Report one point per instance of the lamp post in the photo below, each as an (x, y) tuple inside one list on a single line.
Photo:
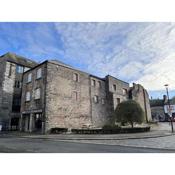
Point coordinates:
[(171, 118)]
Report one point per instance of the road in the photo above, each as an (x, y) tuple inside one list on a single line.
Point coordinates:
[(30, 145)]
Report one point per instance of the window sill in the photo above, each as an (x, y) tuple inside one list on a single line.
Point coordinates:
[(38, 78), (28, 82)]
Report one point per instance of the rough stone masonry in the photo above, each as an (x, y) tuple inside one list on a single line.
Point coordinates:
[(65, 97), (37, 97)]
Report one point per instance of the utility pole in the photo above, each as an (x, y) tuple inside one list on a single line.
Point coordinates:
[(171, 118)]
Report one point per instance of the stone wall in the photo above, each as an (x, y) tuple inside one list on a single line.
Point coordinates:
[(99, 109), (2, 71), (68, 96), (62, 108), (33, 105), (140, 95), (7, 89), (117, 93)]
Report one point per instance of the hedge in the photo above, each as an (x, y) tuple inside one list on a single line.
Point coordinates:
[(58, 130), (111, 131)]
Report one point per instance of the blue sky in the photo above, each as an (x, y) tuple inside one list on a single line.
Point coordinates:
[(134, 52)]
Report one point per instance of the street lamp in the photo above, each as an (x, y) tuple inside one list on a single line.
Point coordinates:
[(171, 118)]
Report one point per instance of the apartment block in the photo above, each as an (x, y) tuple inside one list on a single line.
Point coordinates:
[(12, 68)]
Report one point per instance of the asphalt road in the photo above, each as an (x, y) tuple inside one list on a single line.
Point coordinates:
[(30, 145)]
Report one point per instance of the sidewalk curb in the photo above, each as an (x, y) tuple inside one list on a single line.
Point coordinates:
[(128, 138), (131, 146)]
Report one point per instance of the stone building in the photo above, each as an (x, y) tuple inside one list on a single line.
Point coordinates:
[(12, 67), (57, 95), (38, 97), (138, 93), (158, 109)]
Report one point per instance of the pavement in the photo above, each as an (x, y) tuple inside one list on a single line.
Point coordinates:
[(160, 130), (28, 145), (159, 139)]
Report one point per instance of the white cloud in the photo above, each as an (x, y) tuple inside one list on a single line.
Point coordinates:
[(157, 74), (142, 52)]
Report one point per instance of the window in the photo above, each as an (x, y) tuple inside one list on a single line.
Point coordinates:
[(27, 96), (114, 87), (118, 101), (75, 77), (16, 101), (75, 95), (124, 91), (26, 69), (96, 99), (29, 78), (16, 104), (99, 84), (103, 101), (19, 69), (38, 73), (37, 93), (18, 84), (10, 70), (93, 82)]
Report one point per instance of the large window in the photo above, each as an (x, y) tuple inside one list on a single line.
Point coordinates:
[(19, 69), (39, 73), (29, 77), (16, 104), (26, 69), (28, 96), (18, 84), (37, 93)]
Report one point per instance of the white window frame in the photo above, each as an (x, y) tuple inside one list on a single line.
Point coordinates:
[(19, 69), (28, 96), (37, 93), (29, 77), (38, 73)]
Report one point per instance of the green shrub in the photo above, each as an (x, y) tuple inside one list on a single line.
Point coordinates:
[(129, 112), (108, 126)]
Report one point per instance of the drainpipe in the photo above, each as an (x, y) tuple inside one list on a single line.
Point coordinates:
[(44, 109)]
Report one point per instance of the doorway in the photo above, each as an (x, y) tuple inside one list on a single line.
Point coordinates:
[(38, 122)]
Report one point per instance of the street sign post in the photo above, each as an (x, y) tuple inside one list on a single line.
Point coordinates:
[(169, 111)]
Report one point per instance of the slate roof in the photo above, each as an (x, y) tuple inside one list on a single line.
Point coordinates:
[(11, 57)]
